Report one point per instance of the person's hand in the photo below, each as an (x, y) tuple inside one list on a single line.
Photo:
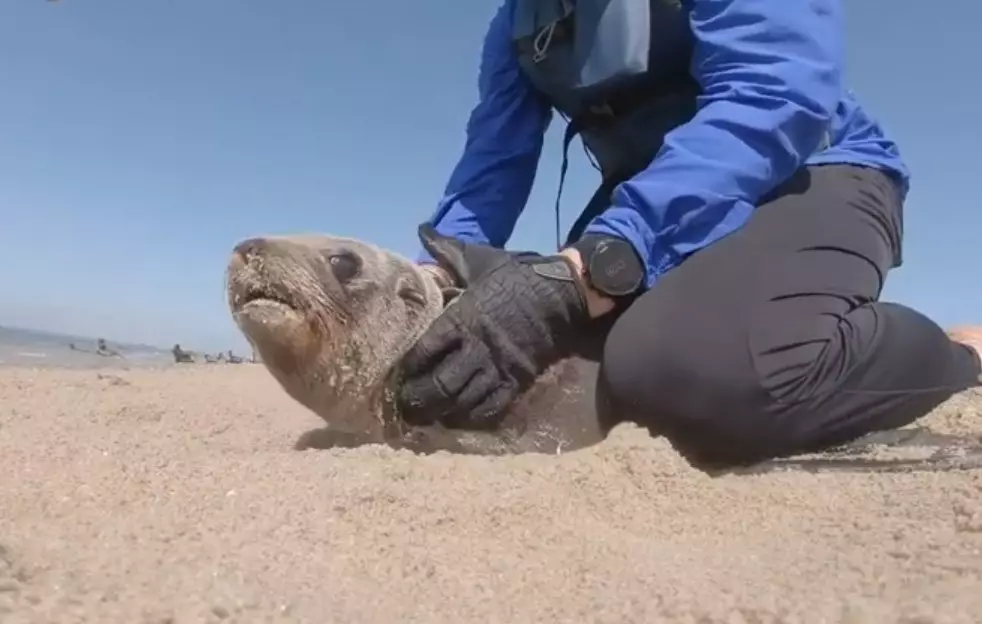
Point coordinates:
[(519, 314)]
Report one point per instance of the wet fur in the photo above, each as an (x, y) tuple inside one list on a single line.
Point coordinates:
[(332, 343)]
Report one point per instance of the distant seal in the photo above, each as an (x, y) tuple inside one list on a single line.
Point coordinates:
[(330, 316)]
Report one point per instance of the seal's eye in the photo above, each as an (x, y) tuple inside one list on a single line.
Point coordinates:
[(345, 266)]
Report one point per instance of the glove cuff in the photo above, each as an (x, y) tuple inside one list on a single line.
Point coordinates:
[(564, 275)]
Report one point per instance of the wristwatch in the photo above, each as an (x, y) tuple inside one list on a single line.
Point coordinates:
[(611, 265)]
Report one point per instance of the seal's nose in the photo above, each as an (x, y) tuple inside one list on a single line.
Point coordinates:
[(252, 247)]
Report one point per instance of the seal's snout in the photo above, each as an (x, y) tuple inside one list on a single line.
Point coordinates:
[(267, 306), (251, 248), (257, 273)]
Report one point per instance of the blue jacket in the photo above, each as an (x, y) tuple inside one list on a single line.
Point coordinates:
[(763, 105)]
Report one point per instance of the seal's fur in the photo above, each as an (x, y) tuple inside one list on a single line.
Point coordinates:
[(330, 316)]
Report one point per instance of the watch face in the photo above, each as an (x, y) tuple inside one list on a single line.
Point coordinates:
[(615, 268)]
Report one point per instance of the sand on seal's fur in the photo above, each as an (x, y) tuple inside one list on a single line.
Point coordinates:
[(175, 496)]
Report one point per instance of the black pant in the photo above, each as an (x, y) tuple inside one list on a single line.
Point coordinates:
[(772, 341)]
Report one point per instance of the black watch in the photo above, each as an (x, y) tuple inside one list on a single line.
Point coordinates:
[(611, 265)]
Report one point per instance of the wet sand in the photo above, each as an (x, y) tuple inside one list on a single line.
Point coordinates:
[(176, 496)]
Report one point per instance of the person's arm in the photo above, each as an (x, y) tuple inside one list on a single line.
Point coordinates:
[(771, 74), (490, 185)]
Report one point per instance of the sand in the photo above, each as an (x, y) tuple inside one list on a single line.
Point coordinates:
[(175, 496)]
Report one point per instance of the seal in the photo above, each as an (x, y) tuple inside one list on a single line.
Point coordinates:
[(330, 317)]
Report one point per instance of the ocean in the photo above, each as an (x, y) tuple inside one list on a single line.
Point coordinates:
[(28, 347)]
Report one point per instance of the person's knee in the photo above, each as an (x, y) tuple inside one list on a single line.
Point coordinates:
[(683, 383), (665, 377)]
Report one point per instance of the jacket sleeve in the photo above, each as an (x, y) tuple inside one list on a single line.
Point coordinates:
[(491, 182), (771, 73)]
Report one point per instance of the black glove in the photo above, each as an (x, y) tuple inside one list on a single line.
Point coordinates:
[(520, 313), (465, 263)]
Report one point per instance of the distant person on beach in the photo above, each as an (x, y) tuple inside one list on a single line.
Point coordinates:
[(731, 262), (181, 356), (102, 348)]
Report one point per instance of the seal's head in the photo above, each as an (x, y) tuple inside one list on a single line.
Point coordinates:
[(329, 316)]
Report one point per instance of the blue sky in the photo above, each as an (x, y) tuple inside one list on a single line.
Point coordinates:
[(140, 140)]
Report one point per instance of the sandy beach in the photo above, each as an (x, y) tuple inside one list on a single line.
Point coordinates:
[(175, 495)]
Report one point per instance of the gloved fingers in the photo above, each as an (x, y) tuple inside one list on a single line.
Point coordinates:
[(495, 405), (482, 383), (419, 411), (434, 391), (481, 404), (414, 410), (441, 340), (424, 399), (457, 372)]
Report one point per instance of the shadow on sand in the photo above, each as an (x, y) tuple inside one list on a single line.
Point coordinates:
[(915, 449), (324, 439)]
